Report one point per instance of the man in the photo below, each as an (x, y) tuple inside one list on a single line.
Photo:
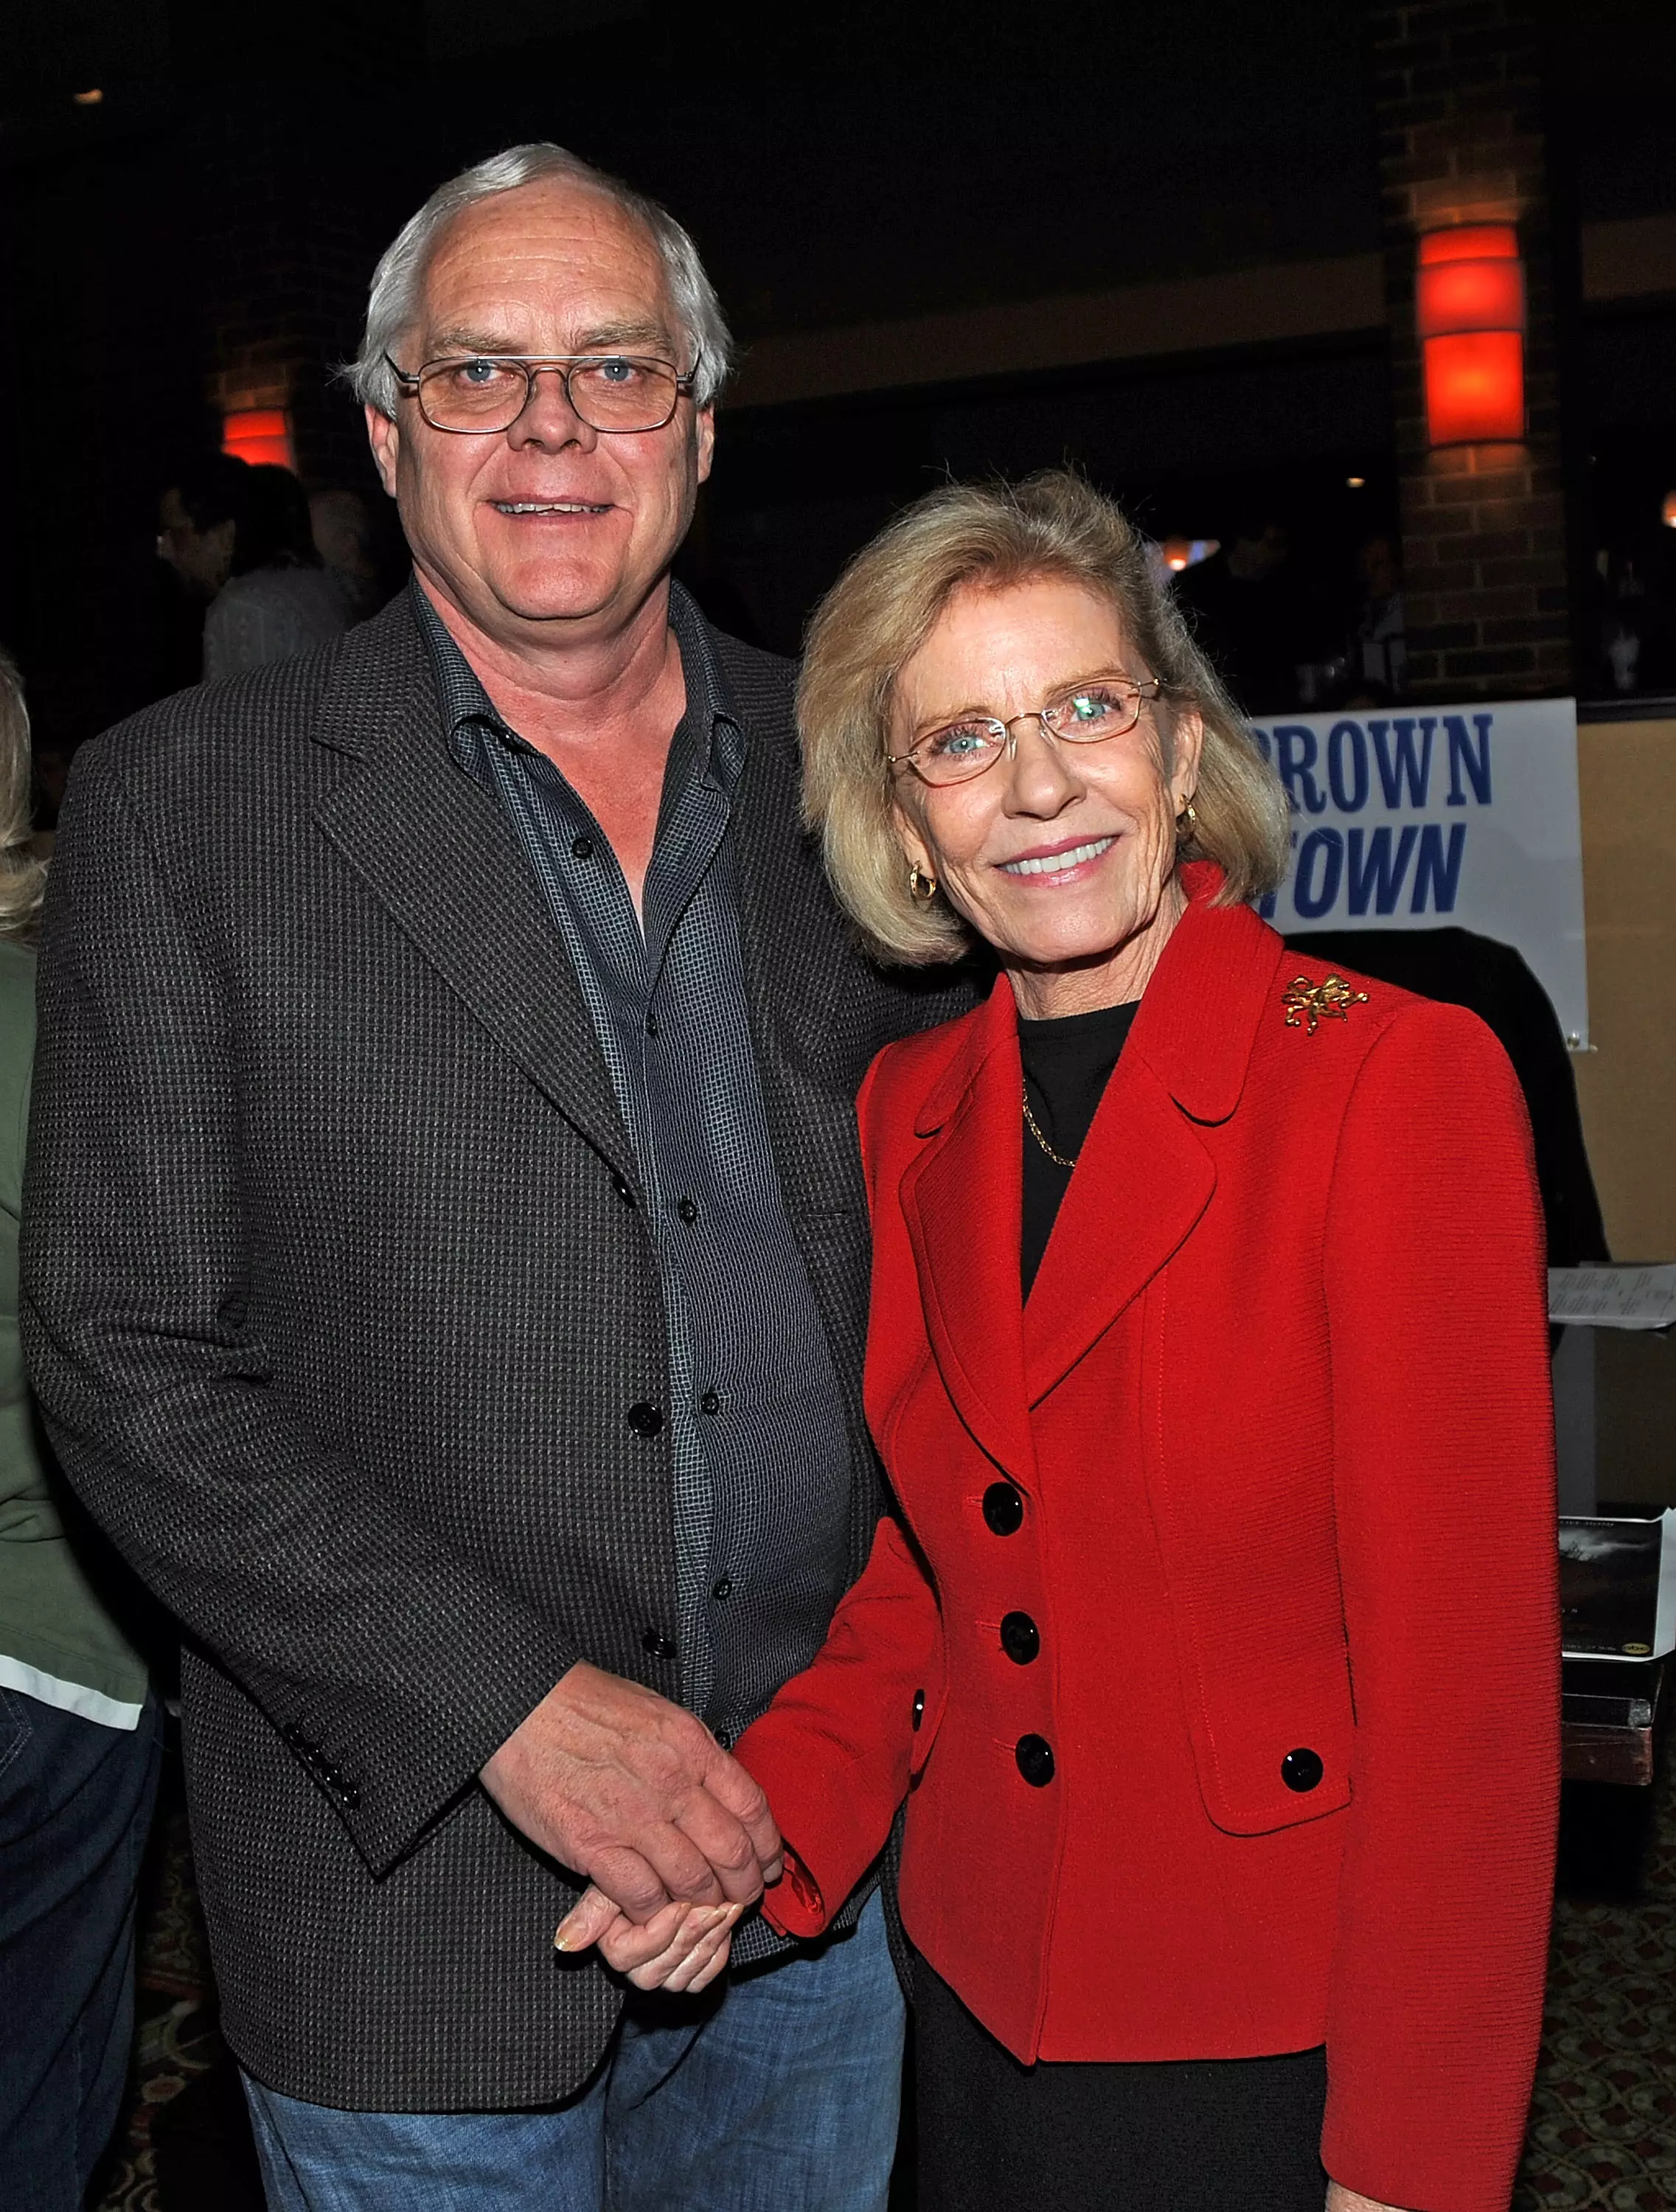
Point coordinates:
[(1247, 613), (239, 538), (346, 538), (447, 1271)]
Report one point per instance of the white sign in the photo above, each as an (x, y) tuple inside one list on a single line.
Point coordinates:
[(1463, 817)]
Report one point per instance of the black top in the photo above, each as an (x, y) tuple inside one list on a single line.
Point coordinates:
[(1067, 1064)]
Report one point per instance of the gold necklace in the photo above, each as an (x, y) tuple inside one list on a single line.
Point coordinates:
[(1057, 1158)]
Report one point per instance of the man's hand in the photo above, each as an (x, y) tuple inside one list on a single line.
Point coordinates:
[(1346, 2200), (619, 1785), (681, 1949)]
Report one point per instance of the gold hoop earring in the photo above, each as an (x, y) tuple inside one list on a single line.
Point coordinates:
[(921, 888), (1187, 822)]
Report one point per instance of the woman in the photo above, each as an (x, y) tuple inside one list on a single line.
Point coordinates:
[(1213, 1654)]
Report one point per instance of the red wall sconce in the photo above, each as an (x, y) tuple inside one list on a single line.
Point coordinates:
[(260, 435), (1469, 312)]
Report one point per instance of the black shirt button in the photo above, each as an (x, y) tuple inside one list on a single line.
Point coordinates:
[(1003, 1509), (624, 1189), (723, 1589), (644, 1420), (652, 1025), (688, 1209), (1021, 1639), (724, 1738), (582, 847), (1034, 1755), (919, 1708), (656, 1645), (709, 1403), (1301, 1770)]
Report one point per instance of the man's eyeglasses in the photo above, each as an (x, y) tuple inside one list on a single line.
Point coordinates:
[(619, 393), (1108, 706)]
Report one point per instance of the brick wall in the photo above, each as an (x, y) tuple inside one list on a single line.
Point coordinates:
[(1458, 93), (287, 251)]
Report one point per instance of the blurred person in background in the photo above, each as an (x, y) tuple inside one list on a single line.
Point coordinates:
[(80, 1730), (1379, 649), (349, 542), (278, 601), (1247, 613), (239, 537)]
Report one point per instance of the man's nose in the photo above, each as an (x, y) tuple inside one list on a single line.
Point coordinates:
[(548, 417)]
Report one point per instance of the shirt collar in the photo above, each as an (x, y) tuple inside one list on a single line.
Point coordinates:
[(711, 719)]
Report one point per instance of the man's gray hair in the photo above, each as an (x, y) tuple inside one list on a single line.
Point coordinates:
[(394, 301)]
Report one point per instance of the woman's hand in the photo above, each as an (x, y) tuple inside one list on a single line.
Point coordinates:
[(1347, 2200), (681, 1948)]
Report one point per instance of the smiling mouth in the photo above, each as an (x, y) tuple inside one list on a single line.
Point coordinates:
[(1055, 864), (549, 507)]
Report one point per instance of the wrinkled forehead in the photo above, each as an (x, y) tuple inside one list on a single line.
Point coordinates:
[(552, 267)]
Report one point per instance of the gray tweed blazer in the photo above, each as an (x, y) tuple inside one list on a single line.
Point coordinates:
[(338, 1293)]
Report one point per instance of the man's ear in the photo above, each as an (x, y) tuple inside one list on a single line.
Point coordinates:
[(704, 428), (386, 440)]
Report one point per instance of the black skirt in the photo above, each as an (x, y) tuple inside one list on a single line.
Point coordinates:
[(1198, 2135)]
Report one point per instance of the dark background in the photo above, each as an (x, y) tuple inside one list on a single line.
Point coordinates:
[(837, 166)]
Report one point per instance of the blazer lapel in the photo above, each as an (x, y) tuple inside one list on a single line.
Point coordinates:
[(962, 1199), (436, 853), (1143, 1180), (1144, 1174)]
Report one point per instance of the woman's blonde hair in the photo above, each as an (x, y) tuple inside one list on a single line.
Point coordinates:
[(885, 606), (22, 877)]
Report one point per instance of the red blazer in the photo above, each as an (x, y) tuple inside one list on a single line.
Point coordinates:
[(1274, 1430)]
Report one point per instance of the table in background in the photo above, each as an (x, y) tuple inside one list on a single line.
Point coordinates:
[(1615, 1437)]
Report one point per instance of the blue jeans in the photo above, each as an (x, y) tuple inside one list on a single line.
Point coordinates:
[(781, 2097), (75, 1801)]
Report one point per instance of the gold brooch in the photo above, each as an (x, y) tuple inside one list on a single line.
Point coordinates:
[(1317, 1002)]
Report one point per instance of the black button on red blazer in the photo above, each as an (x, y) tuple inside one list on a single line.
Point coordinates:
[(1268, 1455)]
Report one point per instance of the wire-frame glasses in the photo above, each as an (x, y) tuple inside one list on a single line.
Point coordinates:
[(483, 393), (1083, 715)]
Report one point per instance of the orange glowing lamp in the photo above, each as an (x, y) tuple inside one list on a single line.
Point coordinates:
[(1470, 316), (260, 435)]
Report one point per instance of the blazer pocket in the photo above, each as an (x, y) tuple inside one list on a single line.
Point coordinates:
[(1272, 1746)]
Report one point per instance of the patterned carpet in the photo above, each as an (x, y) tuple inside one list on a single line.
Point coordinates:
[(1603, 2122)]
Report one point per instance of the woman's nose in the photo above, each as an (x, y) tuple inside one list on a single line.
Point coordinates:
[(1040, 780)]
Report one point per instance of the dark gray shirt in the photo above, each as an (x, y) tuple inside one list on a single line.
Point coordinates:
[(762, 1459)]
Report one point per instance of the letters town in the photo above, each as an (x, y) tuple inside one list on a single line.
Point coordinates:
[(1388, 762)]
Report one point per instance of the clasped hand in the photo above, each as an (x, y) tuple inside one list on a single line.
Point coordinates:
[(675, 1839)]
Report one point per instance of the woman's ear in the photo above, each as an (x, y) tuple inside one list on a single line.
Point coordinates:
[(1187, 748), (916, 853)]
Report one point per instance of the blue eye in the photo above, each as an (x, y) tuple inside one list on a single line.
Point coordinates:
[(965, 741), (1087, 707)]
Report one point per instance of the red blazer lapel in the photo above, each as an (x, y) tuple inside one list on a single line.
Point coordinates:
[(1144, 1175), (1143, 1180), (961, 1198)]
